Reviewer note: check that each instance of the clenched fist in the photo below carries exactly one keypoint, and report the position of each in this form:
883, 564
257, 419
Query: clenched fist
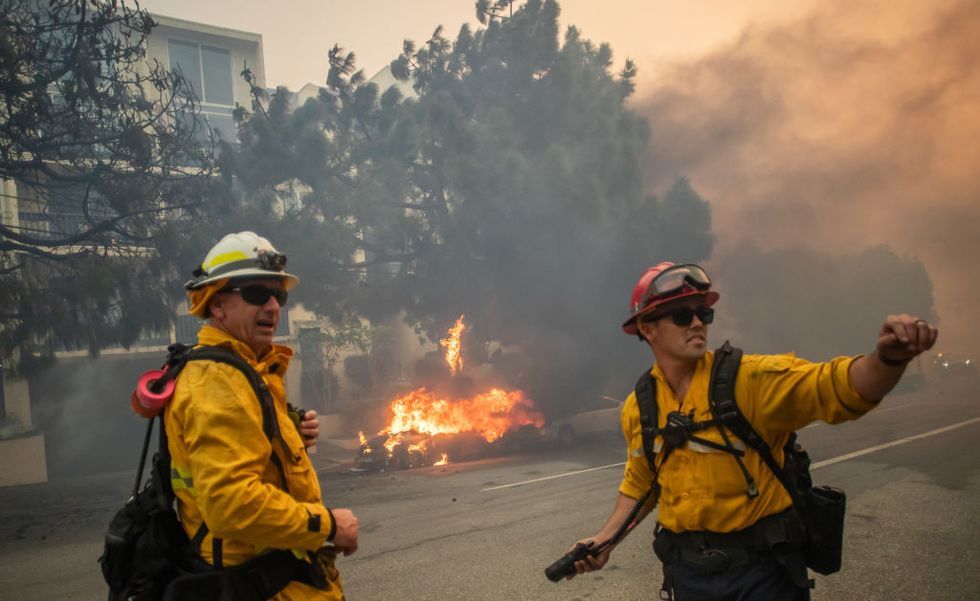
903, 337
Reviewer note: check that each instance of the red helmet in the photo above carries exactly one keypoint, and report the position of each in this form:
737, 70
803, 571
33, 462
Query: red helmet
666, 282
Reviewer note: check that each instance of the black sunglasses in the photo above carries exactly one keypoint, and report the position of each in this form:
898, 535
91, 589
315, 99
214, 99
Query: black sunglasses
684, 316
260, 295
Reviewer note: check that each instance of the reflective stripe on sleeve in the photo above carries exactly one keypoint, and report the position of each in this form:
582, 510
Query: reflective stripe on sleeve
181, 480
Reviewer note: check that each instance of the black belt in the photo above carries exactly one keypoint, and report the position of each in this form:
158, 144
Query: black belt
257, 579
718, 551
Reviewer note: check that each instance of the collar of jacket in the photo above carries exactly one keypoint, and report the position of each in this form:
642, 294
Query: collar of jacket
702, 366
275, 361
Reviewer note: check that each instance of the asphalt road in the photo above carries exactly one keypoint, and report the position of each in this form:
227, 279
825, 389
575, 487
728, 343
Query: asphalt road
487, 529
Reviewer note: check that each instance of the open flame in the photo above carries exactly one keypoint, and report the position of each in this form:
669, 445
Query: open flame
489, 414
454, 356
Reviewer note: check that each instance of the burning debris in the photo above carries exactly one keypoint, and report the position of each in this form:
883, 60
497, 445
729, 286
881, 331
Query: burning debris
424, 425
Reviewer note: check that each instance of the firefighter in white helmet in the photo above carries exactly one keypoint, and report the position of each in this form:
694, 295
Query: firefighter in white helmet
250, 493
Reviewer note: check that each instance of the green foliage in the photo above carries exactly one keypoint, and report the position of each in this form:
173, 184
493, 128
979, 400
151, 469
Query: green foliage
344, 336
509, 188
327, 183
106, 169
816, 304
529, 169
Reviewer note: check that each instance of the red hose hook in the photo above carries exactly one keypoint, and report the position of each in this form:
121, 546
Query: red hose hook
149, 398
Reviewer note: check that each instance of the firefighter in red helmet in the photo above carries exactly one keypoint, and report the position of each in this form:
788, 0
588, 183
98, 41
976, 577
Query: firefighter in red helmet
667, 282
720, 501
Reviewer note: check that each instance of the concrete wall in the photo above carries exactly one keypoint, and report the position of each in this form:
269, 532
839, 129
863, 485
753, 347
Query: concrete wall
17, 403
22, 460
22, 456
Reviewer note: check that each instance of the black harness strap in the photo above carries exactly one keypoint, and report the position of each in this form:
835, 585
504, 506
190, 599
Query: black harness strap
646, 391
270, 425
258, 578
217, 556
153, 535
721, 399
646, 400
726, 415
724, 407
198, 537
178, 357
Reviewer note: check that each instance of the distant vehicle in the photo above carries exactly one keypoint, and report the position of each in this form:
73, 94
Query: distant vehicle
951, 366
596, 417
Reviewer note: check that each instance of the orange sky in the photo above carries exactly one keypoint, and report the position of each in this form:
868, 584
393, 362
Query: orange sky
297, 33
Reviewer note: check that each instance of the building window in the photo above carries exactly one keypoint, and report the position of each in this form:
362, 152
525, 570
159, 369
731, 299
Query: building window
208, 73
57, 210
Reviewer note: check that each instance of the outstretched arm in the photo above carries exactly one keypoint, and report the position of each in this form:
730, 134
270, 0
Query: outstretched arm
901, 339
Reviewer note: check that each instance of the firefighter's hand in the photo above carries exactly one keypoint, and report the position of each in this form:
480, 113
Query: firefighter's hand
309, 428
903, 337
345, 538
591, 563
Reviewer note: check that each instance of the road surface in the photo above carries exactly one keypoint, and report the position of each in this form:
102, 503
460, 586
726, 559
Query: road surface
486, 530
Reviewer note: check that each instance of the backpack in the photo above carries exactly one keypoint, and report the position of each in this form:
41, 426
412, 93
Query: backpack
820, 509
147, 554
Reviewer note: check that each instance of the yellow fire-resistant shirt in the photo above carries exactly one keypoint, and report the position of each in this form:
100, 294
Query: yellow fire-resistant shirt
702, 488
221, 468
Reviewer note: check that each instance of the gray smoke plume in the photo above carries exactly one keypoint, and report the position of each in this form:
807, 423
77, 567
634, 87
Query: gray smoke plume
852, 128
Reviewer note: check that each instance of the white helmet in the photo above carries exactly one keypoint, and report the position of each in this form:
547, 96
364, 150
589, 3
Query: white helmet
245, 254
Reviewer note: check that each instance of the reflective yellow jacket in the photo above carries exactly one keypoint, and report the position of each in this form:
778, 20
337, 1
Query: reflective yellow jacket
703, 489
221, 468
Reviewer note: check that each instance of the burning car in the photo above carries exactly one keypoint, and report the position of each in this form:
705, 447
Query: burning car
403, 451
427, 427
